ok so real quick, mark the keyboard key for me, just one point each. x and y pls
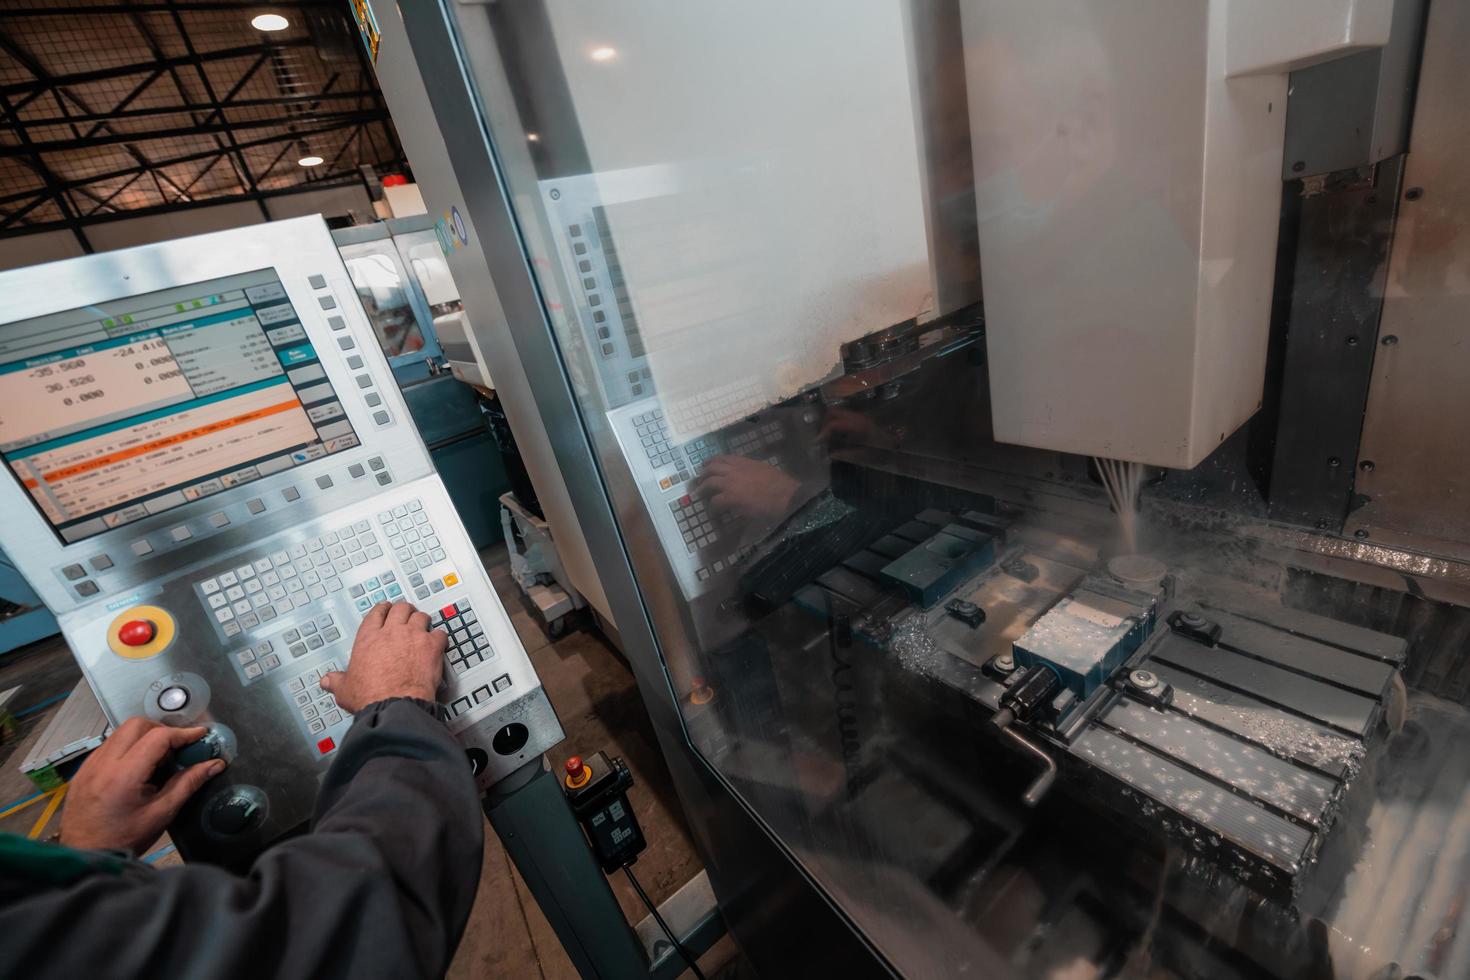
(253, 671)
(262, 565)
(331, 635)
(314, 642)
(228, 578)
(245, 656)
(296, 649)
(249, 621)
(363, 603)
(271, 662)
(209, 586)
(234, 593)
(241, 608)
(217, 600)
(308, 628)
(378, 597)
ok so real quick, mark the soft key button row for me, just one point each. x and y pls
(258, 660)
(468, 645)
(316, 708)
(379, 588)
(415, 543)
(311, 635)
(255, 593)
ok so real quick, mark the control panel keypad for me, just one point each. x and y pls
(315, 708)
(415, 544)
(468, 645)
(253, 594)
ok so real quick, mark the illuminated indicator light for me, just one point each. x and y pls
(326, 745)
(310, 161)
(451, 579)
(604, 54)
(269, 22)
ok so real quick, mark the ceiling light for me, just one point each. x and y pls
(533, 137)
(269, 22)
(604, 54)
(311, 161)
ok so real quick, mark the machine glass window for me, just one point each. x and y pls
(1005, 550)
(378, 275)
(117, 411)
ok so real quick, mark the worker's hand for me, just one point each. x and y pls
(395, 655)
(747, 488)
(113, 805)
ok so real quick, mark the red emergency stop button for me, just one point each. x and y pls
(577, 772)
(137, 632)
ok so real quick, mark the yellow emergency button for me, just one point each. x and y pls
(451, 579)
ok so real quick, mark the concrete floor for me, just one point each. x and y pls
(598, 704)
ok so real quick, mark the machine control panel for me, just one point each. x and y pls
(209, 485)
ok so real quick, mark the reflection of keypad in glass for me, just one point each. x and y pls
(653, 432)
(271, 586)
(468, 645)
(695, 523)
(755, 439)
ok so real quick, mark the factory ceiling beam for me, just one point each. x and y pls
(34, 89)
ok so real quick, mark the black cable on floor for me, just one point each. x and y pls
(678, 946)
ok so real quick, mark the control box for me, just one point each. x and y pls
(597, 789)
(210, 476)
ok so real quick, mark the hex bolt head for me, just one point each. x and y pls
(1413, 193)
(1144, 680)
(1333, 462)
(1352, 341)
(1361, 532)
(1390, 340)
(1366, 466)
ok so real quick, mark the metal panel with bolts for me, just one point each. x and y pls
(1412, 466)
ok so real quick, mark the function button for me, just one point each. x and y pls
(316, 726)
(219, 519)
(354, 362)
(255, 505)
(363, 526)
(336, 323)
(181, 533)
(245, 657)
(323, 622)
(331, 634)
(327, 302)
(372, 399)
(375, 464)
(415, 505)
(74, 572)
(253, 671)
(384, 479)
(324, 481)
(502, 682)
(317, 282)
(326, 745)
(345, 343)
(173, 698)
(290, 494)
(87, 588)
(271, 662)
(380, 417)
(264, 647)
(101, 563)
(296, 685)
(296, 649)
(461, 705)
(364, 381)
(356, 471)
(308, 628)
(482, 694)
(262, 565)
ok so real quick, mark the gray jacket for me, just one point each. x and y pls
(380, 887)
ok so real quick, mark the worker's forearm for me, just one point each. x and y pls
(382, 886)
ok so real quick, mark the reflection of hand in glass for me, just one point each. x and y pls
(747, 488)
(845, 427)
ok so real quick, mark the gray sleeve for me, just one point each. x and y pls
(382, 886)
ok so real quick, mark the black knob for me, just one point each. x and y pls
(478, 758)
(234, 814)
(510, 739)
(194, 753)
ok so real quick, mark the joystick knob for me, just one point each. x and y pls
(137, 632)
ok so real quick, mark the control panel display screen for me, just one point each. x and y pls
(114, 412)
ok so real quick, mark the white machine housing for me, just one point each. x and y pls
(1128, 186)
